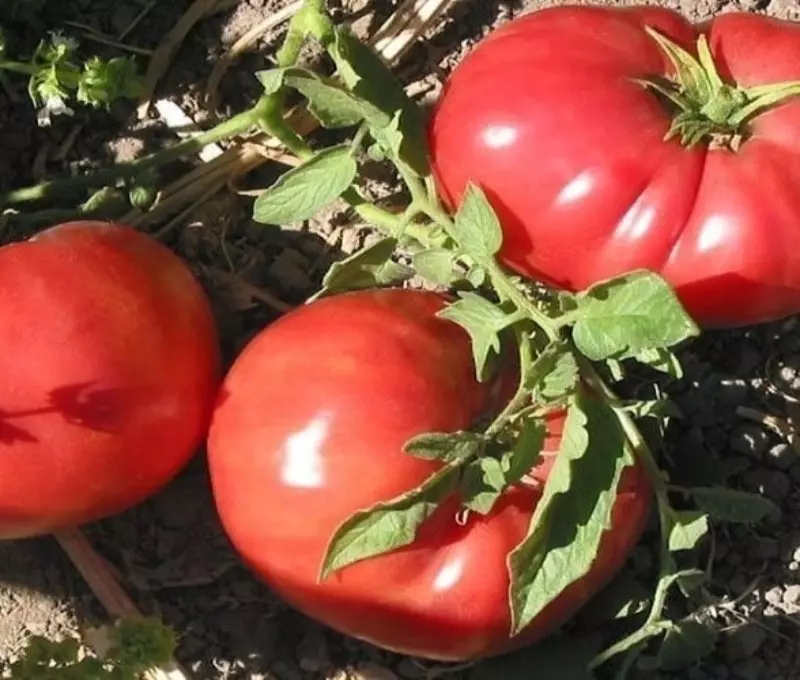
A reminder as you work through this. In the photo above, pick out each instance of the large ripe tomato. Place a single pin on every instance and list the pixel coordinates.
(109, 371)
(309, 429)
(547, 116)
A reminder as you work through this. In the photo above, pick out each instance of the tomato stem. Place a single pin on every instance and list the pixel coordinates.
(56, 188)
(708, 109)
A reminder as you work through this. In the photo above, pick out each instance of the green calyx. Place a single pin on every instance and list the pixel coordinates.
(707, 109)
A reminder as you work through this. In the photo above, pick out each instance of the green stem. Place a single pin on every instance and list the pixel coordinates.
(19, 67)
(522, 395)
(55, 188)
(653, 625)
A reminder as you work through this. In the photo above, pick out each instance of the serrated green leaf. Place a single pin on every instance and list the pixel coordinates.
(476, 227)
(305, 190)
(333, 106)
(526, 451)
(628, 315)
(574, 511)
(437, 265)
(661, 359)
(654, 408)
(271, 79)
(562, 657)
(624, 597)
(390, 525)
(483, 321)
(688, 530)
(370, 79)
(369, 267)
(730, 505)
(554, 374)
(482, 484)
(685, 643)
(447, 447)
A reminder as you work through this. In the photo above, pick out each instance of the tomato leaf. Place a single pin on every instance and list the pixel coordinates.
(482, 484)
(562, 657)
(527, 449)
(370, 267)
(553, 376)
(729, 505)
(629, 315)
(688, 530)
(271, 79)
(369, 79)
(624, 597)
(437, 265)
(685, 643)
(303, 191)
(483, 321)
(573, 512)
(390, 525)
(654, 408)
(661, 359)
(448, 447)
(477, 228)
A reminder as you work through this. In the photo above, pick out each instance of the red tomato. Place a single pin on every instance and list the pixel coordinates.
(110, 368)
(547, 117)
(309, 429)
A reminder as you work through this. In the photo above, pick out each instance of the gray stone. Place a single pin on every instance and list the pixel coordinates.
(766, 548)
(749, 440)
(743, 642)
(773, 484)
(774, 595)
(791, 595)
(782, 456)
(751, 669)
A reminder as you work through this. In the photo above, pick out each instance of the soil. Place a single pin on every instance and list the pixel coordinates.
(170, 551)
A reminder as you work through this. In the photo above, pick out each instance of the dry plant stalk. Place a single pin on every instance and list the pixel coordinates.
(97, 573)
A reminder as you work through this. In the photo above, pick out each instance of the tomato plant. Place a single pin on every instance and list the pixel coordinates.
(311, 427)
(612, 139)
(110, 367)
(528, 479)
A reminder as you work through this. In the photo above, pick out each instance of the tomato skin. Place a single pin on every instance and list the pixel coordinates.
(309, 428)
(110, 368)
(545, 115)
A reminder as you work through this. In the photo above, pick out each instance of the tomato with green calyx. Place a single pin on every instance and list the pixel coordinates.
(110, 367)
(616, 139)
(310, 428)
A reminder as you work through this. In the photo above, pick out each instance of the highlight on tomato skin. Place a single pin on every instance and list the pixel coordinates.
(309, 428)
(712, 208)
(110, 368)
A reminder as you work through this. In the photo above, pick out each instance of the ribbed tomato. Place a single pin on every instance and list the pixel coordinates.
(310, 428)
(110, 367)
(550, 116)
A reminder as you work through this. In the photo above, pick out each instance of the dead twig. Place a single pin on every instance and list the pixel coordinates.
(162, 57)
(241, 46)
(95, 571)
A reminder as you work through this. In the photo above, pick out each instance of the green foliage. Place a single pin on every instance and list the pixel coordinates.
(57, 77)
(133, 647)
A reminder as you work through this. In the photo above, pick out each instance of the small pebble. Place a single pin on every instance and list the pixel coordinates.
(782, 456)
(750, 669)
(791, 595)
(373, 672)
(767, 548)
(774, 484)
(749, 440)
(743, 642)
(774, 595)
